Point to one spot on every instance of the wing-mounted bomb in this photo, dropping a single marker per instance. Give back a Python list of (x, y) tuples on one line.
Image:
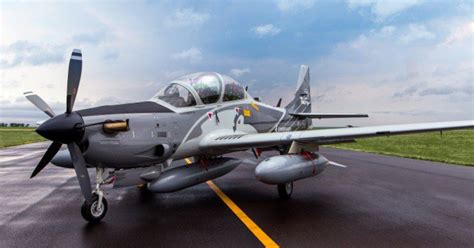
[(291, 167)]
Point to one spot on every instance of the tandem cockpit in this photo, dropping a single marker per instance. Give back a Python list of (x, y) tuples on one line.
[(200, 89)]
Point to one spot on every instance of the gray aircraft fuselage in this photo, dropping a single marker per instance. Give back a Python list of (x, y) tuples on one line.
[(159, 131)]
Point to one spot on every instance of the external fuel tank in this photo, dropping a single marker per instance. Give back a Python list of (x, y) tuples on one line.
[(290, 167), (192, 174)]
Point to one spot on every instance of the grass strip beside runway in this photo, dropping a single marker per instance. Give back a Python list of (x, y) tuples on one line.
[(18, 136), (455, 147)]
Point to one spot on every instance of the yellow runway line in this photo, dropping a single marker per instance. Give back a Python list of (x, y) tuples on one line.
[(259, 233)]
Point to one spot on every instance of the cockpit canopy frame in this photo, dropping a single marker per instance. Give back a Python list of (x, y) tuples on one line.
[(202, 88)]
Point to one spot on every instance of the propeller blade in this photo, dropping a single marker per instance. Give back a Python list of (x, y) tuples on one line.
[(81, 171), (39, 103), (52, 150), (73, 78)]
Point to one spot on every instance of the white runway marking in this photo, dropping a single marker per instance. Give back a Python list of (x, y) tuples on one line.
[(337, 164), (7, 158)]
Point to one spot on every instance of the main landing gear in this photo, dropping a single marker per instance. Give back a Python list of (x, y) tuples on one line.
[(285, 190), (94, 211)]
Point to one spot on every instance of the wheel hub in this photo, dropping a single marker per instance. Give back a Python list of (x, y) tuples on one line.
[(96, 210), (289, 187)]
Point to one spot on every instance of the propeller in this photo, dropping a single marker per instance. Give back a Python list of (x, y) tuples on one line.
[(52, 150), (73, 78), (39, 103), (67, 128)]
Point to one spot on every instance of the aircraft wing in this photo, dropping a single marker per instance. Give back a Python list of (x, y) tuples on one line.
[(226, 141), (328, 115)]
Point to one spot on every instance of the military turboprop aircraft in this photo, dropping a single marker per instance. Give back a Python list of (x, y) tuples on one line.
[(201, 116)]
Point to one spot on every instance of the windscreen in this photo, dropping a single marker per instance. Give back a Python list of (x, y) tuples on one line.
[(177, 96)]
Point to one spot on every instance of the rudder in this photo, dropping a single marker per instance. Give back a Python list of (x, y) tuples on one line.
[(301, 102)]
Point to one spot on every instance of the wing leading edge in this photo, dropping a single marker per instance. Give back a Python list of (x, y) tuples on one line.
[(234, 142)]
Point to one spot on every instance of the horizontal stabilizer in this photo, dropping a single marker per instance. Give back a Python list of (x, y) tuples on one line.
[(328, 115)]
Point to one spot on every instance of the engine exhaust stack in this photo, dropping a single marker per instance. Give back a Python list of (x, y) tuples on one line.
[(115, 126)]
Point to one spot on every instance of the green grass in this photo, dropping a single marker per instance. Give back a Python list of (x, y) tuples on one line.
[(455, 147), (13, 136)]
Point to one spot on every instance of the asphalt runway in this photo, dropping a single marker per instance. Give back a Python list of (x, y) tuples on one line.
[(377, 201)]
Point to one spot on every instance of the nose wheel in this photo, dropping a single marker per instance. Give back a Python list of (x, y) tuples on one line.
[(285, 190), (94, 212), (96, 209)]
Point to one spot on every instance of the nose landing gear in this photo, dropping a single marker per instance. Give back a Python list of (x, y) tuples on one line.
[(94, 211)]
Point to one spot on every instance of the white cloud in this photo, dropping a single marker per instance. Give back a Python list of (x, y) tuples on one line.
[(192, 55), (93, 38), (265, 30), (29, 53), (387, 30), (239, 72), (404, 79), (294, 5), (383, 8), (416, 32), (186, 18), (460, 33)]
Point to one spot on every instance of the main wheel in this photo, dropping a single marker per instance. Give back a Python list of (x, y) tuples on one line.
[(285, 190), (92, 212)]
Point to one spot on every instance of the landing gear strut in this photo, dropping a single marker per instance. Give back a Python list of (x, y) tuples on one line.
[(97, 208), (285, 190)]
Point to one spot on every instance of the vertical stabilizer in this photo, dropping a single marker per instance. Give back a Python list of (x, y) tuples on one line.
[(301, 103)]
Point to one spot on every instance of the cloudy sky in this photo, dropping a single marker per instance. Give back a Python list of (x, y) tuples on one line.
[(400, 61)]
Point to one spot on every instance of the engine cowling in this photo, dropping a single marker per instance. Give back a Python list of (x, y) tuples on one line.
[(290, 167)]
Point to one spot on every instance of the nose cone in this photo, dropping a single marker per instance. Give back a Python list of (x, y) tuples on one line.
[(65, 128)]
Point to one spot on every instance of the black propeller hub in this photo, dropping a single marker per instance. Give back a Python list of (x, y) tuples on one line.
[(65, 128)]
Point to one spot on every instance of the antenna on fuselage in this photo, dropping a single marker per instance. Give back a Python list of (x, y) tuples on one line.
[(279, 103)]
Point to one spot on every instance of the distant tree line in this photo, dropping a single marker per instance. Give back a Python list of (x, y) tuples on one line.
[(14, 125)]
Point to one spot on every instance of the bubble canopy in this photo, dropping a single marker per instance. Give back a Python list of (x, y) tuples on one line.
[(201, 88)]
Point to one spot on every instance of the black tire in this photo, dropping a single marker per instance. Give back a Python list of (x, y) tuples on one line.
[(285, 190), (91, 214)]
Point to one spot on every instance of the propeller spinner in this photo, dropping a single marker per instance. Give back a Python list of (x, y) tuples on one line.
[(67, 128)]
